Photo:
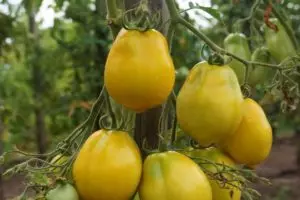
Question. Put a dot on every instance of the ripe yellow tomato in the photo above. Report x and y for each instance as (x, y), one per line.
(108, 166)
(139, 71)
(213, 154)
(171, 175)
(252, 142)
(209, 104)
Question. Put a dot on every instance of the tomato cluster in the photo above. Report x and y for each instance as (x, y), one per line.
(278, 47)
(139, 74)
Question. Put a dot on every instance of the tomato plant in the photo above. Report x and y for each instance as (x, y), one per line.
(213, 108)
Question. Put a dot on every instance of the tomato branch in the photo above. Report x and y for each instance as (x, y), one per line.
(113, 16)
(177, 19)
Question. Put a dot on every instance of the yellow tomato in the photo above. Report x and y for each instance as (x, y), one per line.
(252, 142)
(171, 175)
(139, 71)
(108, 166)
(209, 104)
(213, 154)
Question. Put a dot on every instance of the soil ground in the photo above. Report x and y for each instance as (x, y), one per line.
(280, 168)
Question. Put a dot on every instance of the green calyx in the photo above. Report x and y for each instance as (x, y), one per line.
(141, 18)
(216, 59)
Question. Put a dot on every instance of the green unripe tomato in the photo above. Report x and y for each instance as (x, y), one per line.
(63, 191)
(259, 74)
(237, 44)
(278, 43)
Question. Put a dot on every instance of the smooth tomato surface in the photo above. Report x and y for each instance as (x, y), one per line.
(209, 104)
(251, 143)
(173, 176)
(139, 71)
(108, 166)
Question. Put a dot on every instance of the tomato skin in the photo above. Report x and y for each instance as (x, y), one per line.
(171, 175)
(209, 104)
(259, 74)
(216, 155)
(237, 44)
(252, 142)
(62, 192)
(139, 71)
(108, 166)
(279, 43)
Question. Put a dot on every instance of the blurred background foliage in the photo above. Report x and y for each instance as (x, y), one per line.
(58, 71)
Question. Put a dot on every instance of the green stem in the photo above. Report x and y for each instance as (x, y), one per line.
(267, 65)
(174, 125)
(96, 107)
(286, 26)
(250, 16)
(113, 16)
(110, 110)
(209, 42)
(170, 35)
(173, 10)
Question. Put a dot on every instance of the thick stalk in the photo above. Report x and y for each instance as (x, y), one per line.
(40, 127)
(113, 16)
